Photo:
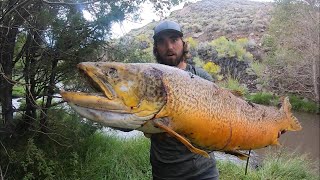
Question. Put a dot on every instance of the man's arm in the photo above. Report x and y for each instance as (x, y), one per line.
(202, 73)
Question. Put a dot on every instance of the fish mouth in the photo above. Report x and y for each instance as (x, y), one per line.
(104, 98)
(99, 86)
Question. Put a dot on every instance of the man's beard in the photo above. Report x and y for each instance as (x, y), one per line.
(174, 62)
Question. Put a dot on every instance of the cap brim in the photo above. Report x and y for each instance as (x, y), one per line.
(165, 31)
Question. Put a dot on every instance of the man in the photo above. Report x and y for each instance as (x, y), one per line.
(170, 159)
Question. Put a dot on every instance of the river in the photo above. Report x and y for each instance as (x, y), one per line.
(305, 141)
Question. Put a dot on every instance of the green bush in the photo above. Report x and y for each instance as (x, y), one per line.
(234, 85)
(265, 98)
(302, 104)
(228, 48)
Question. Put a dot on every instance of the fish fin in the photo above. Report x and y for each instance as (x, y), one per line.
(240, 155)
(183, 140)
(294, 123)
(276, 142)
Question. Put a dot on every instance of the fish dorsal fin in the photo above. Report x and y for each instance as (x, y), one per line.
(240, 155)
(294, 123)
(182, 139)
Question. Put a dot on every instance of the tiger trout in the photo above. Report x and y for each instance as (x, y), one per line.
(155, 98)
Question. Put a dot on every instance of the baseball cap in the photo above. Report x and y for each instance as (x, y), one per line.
(166, 26)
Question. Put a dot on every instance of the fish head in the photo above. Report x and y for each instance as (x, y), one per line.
(128, 94)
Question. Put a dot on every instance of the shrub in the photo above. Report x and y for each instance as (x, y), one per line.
(227, 48)
(213, 69)
(234, 85)
(193, 44)
(303, 104)
(265, 98)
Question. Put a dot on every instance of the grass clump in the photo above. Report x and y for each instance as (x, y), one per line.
(265, 98)
(302, 104)
(275, 166)
(297, 103)
(234, 85)
(107, 157)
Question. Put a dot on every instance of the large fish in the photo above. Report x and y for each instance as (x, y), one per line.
(155, 98)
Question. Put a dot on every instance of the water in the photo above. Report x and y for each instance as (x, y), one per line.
(305, 141)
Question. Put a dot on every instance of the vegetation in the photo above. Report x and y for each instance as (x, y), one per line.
(293, 49)
(228, 48)
(297, 103)
(234, 85)
(41, 42)
(274, 166)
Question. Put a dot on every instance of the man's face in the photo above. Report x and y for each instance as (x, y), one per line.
(169, 47)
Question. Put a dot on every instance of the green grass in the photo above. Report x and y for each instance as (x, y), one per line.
(304, 105)
(107, 157)
(282, 166)
(297, 103)
(234, 85)
(265, 98)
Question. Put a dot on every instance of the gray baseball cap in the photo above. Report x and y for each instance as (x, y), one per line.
(166, 26)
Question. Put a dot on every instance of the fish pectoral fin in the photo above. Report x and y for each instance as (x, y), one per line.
(240, 155)
(183, 140)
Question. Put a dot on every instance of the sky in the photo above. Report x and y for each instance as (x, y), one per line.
(147, 16)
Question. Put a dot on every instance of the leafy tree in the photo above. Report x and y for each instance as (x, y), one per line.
(42, 41)
(294, 48)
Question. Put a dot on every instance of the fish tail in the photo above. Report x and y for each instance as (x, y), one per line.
(293, 121)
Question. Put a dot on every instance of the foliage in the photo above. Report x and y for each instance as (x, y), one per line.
(234, 85)
(18, 91)
(275, 166)
(131, 50)
(213, 69)
(43, 41)
(127, 159)
(193, 44)
(297, 103)
(265, 98)
(303, 104)
(198, 62)
(258, 68)
(293, 48)
(228, 48)
(74, 150)
(33, 162)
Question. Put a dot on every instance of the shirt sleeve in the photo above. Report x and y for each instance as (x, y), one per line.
(202, 73)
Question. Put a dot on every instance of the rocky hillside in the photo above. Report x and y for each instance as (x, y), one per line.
(209, 19)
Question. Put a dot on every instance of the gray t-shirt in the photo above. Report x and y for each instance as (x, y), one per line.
(170, 159)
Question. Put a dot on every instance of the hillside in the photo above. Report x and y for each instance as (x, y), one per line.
(209, 19)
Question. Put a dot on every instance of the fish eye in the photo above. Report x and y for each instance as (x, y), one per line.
(112, 72)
